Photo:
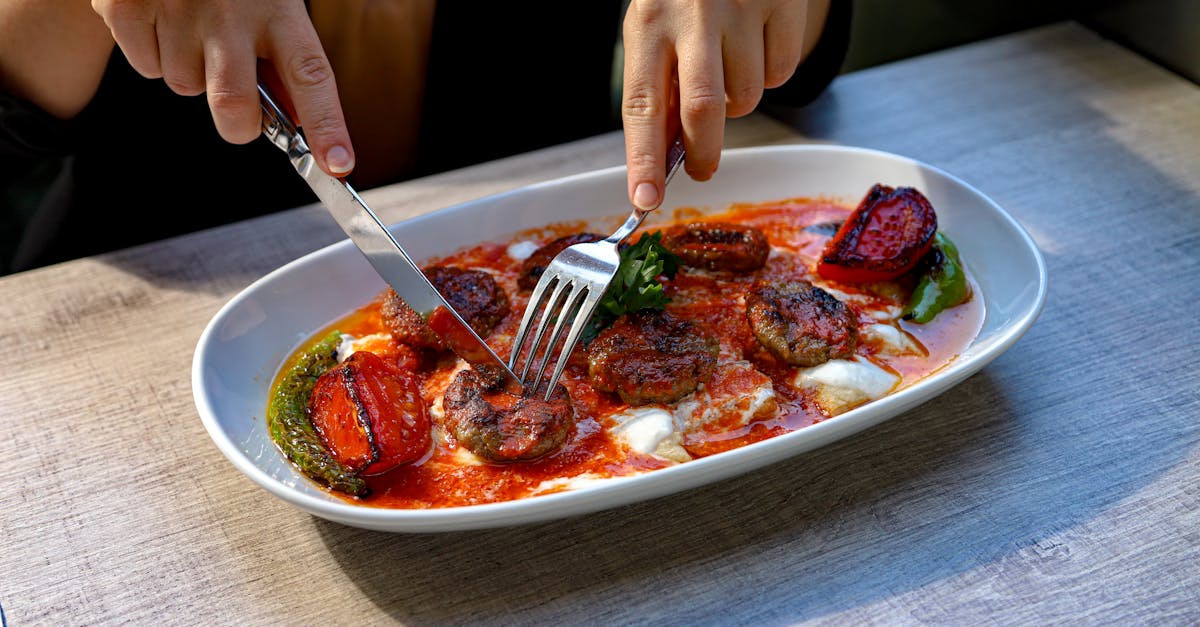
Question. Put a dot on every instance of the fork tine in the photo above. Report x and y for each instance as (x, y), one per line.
(549, 314)
(535, 303)
(550, 308)
(566, 310)
(582, 317)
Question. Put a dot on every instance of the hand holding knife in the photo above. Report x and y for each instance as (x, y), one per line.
(382, 250)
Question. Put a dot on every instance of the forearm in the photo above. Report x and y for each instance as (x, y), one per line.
(52, 53)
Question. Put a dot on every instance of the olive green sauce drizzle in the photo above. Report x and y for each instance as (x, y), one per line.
(291, 429)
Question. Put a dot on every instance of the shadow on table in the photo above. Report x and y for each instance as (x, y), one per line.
(956, 487)
(225, 259)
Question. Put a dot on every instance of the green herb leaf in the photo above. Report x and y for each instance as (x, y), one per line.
(636, 284)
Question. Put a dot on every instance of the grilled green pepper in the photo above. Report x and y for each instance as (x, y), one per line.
(291, 429)
(942, 285)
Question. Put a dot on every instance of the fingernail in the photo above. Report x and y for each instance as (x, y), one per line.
(339, 160)
(645, 196)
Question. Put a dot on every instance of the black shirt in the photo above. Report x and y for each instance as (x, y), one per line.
(503, 78)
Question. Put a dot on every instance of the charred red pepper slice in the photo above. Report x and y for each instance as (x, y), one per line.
(291, 428)
(885, 237)
(370, 414)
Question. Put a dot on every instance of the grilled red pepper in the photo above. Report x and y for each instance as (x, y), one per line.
(291, 428)
(884, 238)
(370, 415)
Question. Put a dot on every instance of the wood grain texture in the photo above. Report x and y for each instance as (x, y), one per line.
(1061, 484)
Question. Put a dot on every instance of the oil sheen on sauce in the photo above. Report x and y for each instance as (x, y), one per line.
(450, 476)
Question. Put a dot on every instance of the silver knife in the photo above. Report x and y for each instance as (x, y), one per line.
(377, 244)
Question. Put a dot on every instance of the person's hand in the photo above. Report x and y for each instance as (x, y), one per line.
(690, 64)
(213, 47)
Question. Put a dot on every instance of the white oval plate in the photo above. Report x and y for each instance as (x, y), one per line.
(244, 344)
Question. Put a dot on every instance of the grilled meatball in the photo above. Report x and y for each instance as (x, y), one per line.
(801, 323)
(501, 426)
(651, 356)
(533, 266)
(718, 246)
(474, 294)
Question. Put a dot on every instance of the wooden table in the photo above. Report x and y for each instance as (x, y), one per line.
(1059, 484)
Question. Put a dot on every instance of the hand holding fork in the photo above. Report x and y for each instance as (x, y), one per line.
(576, 281)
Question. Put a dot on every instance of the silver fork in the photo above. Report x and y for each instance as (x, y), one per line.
(576, 279)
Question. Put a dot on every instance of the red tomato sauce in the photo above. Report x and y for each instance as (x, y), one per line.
(450, 476)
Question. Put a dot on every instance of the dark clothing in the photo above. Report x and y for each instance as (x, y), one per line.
(148, 164)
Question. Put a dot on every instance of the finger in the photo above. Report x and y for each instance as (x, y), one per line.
(308, 79)
(742, 56)
(646, 94)
(229, 76)
(182, 57)
(132, 26)
(702, 102)
(783, 42)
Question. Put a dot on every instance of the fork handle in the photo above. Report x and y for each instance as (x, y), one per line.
(675, 155)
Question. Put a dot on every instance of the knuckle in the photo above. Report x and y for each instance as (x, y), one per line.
(778, 72)
(640, 105)
(184, 85)
(640, 160)
(743, 100)
(323, 127)
(643, 12)
(232, 101)
(222, 20)
(703, 104)
(118, 9)
(700, 171)
(123, 16)
(311, 70)
(701, 163)
(147, 70)
(235, 131)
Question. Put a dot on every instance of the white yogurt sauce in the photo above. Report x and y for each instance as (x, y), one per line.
(892, 340)
(650, 431)
(522, 250)
(842, 384)
(350, 344)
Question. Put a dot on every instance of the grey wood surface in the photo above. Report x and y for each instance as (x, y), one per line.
(1061, 484)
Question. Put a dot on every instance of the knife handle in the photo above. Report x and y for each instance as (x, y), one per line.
(278, 126)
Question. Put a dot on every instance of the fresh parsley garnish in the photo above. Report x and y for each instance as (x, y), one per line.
(636, 284)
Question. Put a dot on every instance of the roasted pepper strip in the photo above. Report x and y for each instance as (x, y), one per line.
(291, 429)
(884, 238)
(943, 284)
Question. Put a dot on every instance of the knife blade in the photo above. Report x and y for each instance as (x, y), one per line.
(377, 244)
